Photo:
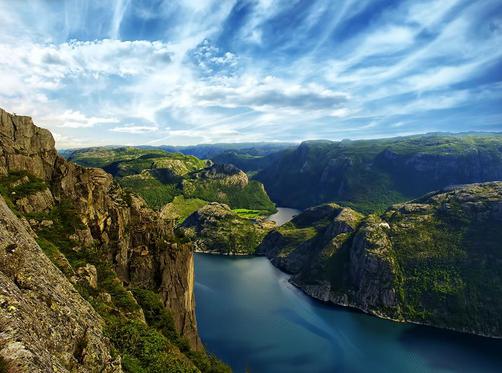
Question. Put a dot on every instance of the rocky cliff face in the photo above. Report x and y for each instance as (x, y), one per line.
(44, 323)
(25, 147)
(371, 175)
(428, 261)
(137, 242)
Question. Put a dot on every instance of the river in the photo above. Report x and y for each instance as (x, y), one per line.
(283, 215)
(251, 317)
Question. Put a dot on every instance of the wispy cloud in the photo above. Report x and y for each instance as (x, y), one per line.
(210, 71)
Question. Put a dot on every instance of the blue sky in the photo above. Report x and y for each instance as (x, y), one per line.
(187, 72)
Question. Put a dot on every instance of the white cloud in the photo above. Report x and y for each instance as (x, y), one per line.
(135, 129)
(251, 83)
(44, 66)
(76, 119)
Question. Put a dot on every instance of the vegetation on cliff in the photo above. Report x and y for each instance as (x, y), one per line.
(116, 252)
(140, 328)
(370, 175)
(218, 229)
(159, 176)
(425, 261)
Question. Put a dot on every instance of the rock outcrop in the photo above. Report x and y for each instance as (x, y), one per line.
(215, 228)
(231, 174)
(45, 325)
(435, 261)
(25, 147)
(138, 243)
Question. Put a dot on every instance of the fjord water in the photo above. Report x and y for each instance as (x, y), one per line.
(250, 316)
(283, 215)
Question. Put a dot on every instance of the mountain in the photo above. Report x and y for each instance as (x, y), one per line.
(217, 229)
(370, 175)
(210, 151)
(119, 291)
(247, 161)
(159, 176)
(436, 260)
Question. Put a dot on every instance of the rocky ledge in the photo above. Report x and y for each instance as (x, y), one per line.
(92, 213)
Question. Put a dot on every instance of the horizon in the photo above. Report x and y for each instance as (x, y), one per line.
(465, 133)
(207, 72)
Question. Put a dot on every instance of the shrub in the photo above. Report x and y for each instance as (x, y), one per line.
(3, 366)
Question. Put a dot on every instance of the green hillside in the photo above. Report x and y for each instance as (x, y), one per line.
(370, 175)
(424, 261)
(159, 176)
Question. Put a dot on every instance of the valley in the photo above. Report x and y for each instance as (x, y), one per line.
(121, 226)
(419, 261)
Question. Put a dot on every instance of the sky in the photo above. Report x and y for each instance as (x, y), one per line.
(186, 72)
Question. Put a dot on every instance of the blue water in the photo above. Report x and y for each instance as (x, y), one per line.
(252, 318)
(283, 215)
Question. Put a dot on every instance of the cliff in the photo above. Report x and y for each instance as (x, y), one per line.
(80, 215)
(45, 324)
(435, 260)
(370, 175)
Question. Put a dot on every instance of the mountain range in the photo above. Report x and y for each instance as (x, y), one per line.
(96, 250)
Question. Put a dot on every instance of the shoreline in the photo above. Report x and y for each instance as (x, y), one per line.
(354, 307)
(350, 306)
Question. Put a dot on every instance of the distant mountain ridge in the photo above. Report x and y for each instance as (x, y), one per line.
(371, 175)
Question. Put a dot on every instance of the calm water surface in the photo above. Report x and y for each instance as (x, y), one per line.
(283, 215)
(251, 317)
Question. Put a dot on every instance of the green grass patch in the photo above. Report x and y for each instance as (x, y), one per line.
(180, 208)
(251, 214)
(155, 193)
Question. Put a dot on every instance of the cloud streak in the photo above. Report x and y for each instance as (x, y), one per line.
(210, 71)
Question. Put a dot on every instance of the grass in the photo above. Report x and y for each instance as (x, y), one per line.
(180, 208)
(28, 184)
(4, 368)
(295, 236)
(252, 196)
(229, 233)
(251, 214)
(155, 193)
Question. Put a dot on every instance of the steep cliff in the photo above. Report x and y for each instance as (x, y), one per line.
(370, 175)
(45, 325)
(436, 260)
(83, 215)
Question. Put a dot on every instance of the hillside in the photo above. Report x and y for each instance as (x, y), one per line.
(159, 176)
(216, 229)
(119, 291)
(370, 175)
(436, 260)
(211, 151)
